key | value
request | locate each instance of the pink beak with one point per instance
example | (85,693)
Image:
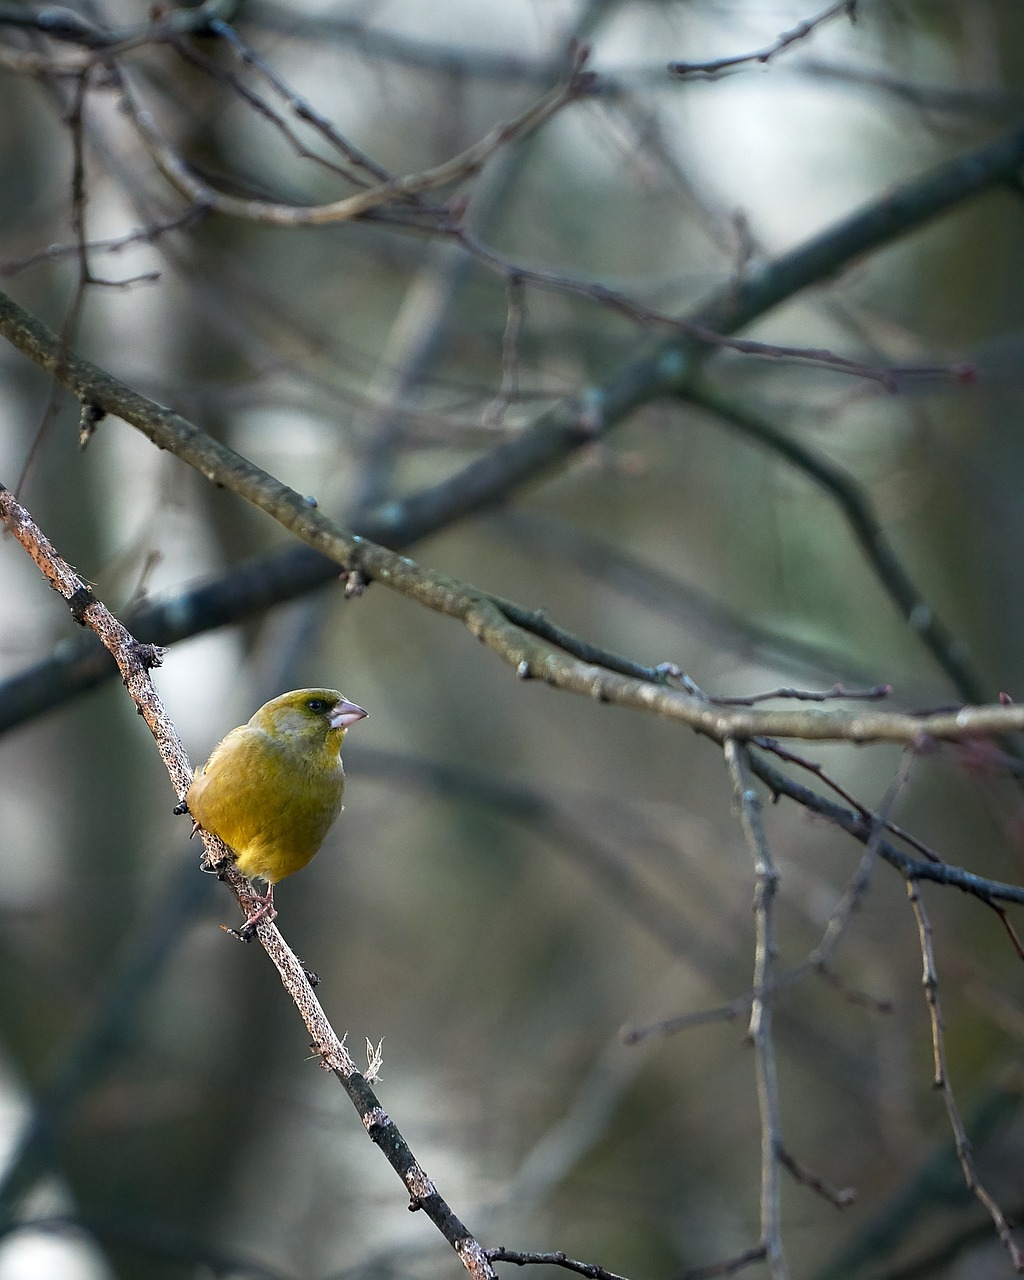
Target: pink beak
(345,714)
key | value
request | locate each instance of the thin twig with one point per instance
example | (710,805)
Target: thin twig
(760,1029)
(467,163)
(727,1012)
(840,1197)
(930,984)
(514,320)
(727,1267)
(112,244)
(710,70)
(833,784)
(302,107)
(821,957)
(857,510)
(838,692)
(557,1258)
(818,960)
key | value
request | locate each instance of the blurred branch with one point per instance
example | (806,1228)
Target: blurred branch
(1001,103)
(112,244)
(134,662)
(672,367)
(710,70)
(604,560)
(97,43)
(727,1267)
(935,1193)
(95,1050)
(820,958)
(80,663)
(616,874)
(402,50)
(760,1029)
(98,1046)
(533,647)
(856,509)
(930,983)
(862,825)
(442,219)
(574,423)
(839,1197)
(65,24)
(467,163)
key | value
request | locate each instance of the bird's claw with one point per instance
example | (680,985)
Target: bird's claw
(245,934)
(265,911)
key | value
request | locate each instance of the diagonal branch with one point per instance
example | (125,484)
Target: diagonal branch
(856,509)
(519,637)
(135,662)
(575,422)
(930,984)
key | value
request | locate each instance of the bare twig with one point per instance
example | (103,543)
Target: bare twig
(841,1197)
(554,1259)
(728,1012)
(930,984)
(727,1267)
(812,766)
(760,1029)
(849,903)
(856,508)
(709,70)
(819,959)
(837,693)
(112,244)
(469,162)
(302,108)
(515,317)
(576,423)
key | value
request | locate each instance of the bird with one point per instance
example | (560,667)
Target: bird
(272,788)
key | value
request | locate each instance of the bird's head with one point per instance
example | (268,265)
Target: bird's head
(313,716)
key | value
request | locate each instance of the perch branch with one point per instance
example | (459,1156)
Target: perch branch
(135,661)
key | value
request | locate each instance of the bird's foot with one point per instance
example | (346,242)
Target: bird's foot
(265,911)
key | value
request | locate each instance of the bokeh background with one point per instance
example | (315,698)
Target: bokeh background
(518,873)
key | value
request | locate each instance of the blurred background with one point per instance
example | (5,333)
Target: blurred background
(519,873)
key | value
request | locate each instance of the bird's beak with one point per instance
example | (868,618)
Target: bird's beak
(345,714)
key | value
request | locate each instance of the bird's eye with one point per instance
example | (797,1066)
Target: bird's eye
(317,705)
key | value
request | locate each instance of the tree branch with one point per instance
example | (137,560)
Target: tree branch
(134,662)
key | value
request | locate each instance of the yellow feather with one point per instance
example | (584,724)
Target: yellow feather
(273,787)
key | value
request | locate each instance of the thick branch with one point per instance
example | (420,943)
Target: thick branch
(576,422)
(530,655)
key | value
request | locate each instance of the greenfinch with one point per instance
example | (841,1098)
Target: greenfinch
(273,787)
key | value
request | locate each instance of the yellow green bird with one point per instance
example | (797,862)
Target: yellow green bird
(272,788)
